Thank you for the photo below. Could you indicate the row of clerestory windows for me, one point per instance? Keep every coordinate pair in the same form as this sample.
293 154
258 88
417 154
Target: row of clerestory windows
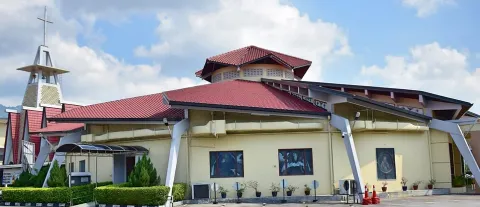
252 72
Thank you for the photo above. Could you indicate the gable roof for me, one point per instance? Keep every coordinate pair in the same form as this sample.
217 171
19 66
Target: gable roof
58 127
406 92
241 95
142 108
252 54
13 126
34 119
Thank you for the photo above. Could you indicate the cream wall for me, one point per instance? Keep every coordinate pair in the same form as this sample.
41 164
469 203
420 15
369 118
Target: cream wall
104 165
260 153
412 158
3 132
440 158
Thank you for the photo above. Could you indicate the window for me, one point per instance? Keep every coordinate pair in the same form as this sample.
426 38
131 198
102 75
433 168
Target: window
226 164
231 75
386 163
274 72
253 72
217 78
72 167
295 162
288 75
82 165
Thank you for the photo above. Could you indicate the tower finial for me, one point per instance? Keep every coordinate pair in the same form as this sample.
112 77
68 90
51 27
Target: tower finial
45 21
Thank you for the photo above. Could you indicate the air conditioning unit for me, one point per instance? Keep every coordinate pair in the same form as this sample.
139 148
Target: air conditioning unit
347 187
201 191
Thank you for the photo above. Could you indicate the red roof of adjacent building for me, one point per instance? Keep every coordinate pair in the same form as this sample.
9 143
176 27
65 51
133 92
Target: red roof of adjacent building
58 127
241 94
51 112
14 125
68 107
34 119
149 107
251 54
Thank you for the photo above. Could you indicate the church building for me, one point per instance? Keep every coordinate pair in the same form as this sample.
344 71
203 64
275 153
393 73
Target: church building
255 121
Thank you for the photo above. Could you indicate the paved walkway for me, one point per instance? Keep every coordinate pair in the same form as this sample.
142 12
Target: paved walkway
423 201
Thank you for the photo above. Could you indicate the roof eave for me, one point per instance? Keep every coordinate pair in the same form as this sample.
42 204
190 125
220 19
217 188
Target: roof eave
251 110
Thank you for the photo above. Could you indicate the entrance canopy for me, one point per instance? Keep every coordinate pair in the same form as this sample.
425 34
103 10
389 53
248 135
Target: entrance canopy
83 148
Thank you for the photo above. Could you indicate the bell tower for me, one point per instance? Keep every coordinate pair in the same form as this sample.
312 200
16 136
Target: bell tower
43 85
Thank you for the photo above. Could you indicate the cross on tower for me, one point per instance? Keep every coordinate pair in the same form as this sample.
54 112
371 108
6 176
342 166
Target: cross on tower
45 21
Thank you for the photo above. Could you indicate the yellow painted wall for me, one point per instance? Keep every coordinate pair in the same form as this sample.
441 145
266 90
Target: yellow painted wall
411 157
261 160
440 158
104 164
3 132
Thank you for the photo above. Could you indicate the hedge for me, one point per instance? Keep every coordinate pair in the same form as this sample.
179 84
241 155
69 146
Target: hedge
76 194
84 193
178 191
37 195
117 194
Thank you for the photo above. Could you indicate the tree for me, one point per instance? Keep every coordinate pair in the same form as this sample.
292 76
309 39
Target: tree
144 174
25 179
58 176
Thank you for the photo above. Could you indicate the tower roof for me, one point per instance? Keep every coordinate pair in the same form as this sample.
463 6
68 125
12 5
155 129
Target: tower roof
250 55
46 69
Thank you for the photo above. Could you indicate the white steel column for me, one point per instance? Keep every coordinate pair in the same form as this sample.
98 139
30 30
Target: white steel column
60 157
462 145
178 130
45 150
343 125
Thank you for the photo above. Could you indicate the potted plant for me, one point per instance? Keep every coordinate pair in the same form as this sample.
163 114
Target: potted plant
291 189
431 182
384 187
254 186
223 191
274 188
458 185
307 190
415 185
404 183
241 190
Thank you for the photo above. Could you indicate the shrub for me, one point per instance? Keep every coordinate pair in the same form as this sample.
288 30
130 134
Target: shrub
58 176
84 193
178 191
116 194
458 181
25 179
37 195
144 174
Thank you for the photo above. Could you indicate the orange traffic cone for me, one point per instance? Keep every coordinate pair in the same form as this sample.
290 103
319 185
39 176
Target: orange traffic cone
375 198
366 199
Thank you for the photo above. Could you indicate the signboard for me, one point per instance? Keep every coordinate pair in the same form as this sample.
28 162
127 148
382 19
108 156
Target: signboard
316 102
408 108
9 175
315 184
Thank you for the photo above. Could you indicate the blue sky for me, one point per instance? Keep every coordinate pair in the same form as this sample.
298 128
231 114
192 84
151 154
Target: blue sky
151 46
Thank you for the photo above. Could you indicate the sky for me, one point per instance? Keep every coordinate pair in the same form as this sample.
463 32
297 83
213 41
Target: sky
119 48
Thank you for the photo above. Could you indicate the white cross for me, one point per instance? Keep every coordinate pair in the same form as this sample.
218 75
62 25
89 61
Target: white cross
45 21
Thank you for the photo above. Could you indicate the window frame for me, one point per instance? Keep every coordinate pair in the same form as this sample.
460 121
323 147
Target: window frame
216 165
304 155
394 163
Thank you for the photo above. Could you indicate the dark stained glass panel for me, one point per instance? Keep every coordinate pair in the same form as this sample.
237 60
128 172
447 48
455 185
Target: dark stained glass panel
226 164
295 162
386 169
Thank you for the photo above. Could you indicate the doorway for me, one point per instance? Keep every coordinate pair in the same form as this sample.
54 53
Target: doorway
130 164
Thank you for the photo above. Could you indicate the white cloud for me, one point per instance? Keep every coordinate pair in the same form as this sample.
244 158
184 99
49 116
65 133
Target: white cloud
427 7
95 75
234 24
432 68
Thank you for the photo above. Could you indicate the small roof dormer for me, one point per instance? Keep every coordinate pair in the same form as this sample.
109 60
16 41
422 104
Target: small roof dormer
252 63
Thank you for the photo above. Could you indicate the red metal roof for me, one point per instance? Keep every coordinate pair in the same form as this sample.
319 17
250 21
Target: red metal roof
69 107
251 54
14 125
58 127
149 107
241 93
34 119
51 112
